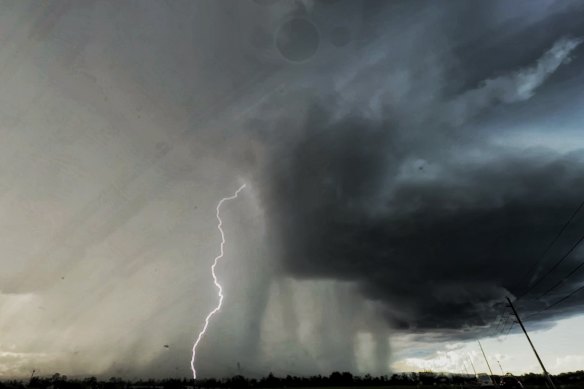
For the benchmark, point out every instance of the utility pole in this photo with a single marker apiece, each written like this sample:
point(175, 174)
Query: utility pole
point(545, 373)
point(472, 364)
point(489, 366)
point(464, 366)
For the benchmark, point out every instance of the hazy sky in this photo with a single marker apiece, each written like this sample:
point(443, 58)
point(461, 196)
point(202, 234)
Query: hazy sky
point(407, 166)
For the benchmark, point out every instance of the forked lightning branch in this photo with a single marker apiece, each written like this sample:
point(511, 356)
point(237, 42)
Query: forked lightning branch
point(215, 280)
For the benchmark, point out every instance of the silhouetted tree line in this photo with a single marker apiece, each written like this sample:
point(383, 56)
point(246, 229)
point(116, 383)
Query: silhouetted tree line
point(336, 379)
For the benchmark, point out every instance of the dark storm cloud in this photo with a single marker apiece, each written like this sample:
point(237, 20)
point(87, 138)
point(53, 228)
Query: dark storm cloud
point(423, 212)
point(122, 127)
point(443, 247)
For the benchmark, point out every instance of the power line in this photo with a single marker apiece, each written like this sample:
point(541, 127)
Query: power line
point(565, 298)
point(503, 321)
point(556, 303)
point(503, 325)
point(554, 267)
point(509, 330)
point(553, 241)
point(574, 270)
point(496, 329)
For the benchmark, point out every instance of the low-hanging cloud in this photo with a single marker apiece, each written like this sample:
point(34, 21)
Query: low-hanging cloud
point(437, 227)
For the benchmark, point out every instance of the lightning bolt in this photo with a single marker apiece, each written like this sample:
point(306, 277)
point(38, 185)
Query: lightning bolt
point(217, 284)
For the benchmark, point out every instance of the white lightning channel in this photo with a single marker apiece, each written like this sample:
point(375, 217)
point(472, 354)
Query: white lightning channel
point(217, 284)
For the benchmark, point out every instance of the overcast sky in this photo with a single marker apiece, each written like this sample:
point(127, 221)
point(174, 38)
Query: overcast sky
point(407, 166)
